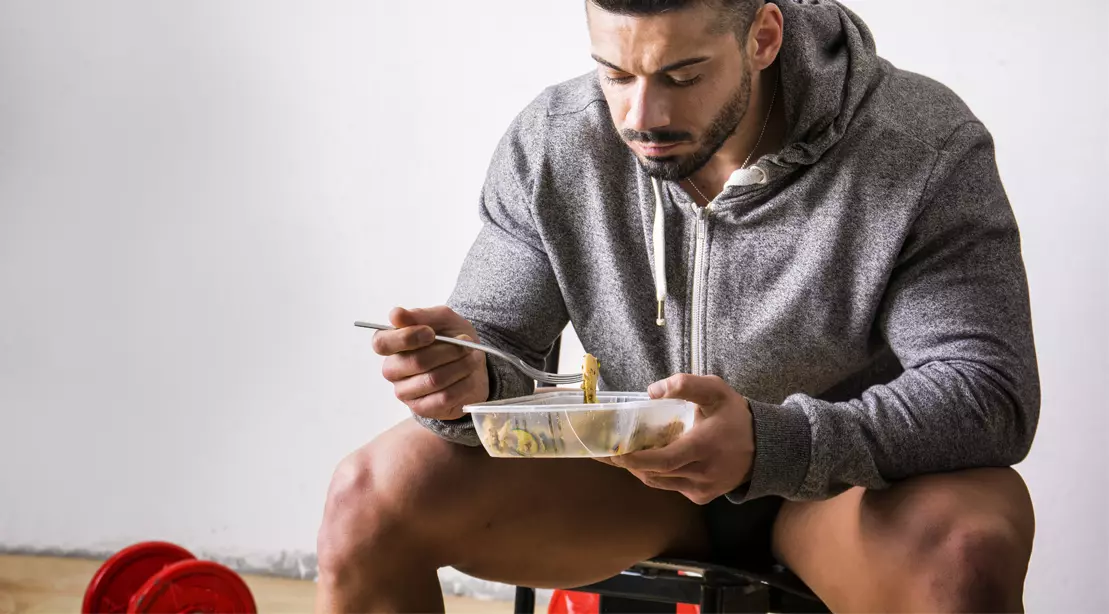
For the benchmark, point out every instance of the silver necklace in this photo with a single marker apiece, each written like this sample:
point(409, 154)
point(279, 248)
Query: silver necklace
point(765, 121)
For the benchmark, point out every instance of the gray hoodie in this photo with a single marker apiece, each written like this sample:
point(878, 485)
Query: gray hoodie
point(863, 287)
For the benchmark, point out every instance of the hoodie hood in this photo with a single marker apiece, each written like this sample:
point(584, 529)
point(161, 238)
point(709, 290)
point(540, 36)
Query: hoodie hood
point(829, 66)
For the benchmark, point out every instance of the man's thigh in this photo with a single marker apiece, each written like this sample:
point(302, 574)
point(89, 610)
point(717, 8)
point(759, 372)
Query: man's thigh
point(862, 543)
point(537, 522)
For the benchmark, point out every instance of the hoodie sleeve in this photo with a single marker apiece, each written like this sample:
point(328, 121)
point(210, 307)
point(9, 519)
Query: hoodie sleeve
point(956, 314)
point(506, 287)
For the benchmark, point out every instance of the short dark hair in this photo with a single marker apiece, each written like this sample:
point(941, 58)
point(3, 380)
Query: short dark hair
point(737, 14)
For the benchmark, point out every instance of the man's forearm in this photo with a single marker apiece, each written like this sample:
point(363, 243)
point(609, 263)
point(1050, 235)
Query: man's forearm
point(942, 416)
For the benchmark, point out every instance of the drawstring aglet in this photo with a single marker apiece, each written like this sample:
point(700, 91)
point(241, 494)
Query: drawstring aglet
point(661, 321)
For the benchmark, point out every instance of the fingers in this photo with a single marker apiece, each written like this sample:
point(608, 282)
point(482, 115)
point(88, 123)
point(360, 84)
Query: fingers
point(416, 328)
point(693, 488)
point(667, 459)
point(705, 391)
point(691, 480)
point(392, 342)
point(446, 404)
point(692, 470)
point(666, 482)
point(408, 363)
point(423, 383)
point(683, 478)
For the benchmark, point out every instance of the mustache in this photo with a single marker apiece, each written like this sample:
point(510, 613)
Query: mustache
point(662, 137)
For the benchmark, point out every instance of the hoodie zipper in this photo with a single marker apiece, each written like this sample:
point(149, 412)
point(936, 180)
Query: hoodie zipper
point(755, 175)
point(696, 340)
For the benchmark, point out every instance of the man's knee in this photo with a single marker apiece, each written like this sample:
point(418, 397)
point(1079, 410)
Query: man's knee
point(974, 568)
point(964, 559)
point(380, 499)
point(353, 514)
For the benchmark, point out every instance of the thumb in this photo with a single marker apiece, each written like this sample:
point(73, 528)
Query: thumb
point(705, 391)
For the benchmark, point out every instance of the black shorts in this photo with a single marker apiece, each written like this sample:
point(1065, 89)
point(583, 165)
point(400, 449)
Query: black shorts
point(741, 535)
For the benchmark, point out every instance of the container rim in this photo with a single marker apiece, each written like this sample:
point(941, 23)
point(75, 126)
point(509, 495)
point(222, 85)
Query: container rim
point(527, 404)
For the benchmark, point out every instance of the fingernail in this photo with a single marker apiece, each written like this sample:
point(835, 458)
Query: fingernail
point(656, 390)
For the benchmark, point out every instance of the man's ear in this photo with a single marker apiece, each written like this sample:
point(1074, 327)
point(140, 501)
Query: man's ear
point(764, 39)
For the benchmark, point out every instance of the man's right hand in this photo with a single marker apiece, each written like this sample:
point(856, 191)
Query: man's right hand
point(434, 379)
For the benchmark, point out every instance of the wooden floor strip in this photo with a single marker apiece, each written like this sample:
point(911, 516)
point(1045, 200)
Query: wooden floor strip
point(49, 585)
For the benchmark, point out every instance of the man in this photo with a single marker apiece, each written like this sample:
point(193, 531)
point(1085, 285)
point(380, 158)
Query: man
point(836, 280)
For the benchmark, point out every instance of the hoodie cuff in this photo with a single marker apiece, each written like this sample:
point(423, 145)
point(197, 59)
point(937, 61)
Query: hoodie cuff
point(459, 431)
point(506, 382)
point(783, 440)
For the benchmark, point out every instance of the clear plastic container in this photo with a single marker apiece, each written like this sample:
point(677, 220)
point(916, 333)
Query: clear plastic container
point(561, 425)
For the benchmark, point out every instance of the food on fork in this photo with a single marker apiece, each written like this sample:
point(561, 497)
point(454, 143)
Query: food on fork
point(590, 373)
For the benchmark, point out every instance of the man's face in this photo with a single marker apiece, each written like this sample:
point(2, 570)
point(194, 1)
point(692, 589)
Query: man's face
point(676, 90)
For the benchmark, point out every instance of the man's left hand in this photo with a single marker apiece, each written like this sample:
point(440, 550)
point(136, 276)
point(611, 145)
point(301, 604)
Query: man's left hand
point(711, 459)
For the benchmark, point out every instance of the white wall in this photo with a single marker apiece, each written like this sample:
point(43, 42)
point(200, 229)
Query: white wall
point(1037, 75)
point(198, 199)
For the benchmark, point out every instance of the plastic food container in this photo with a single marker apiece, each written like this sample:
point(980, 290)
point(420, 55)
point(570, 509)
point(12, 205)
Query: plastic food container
point(561, 425)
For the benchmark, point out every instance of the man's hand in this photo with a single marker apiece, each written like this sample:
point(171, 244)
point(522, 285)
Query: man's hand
point(714, 457)
point(435, 380)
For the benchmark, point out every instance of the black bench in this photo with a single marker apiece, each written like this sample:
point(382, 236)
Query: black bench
point(658, 584)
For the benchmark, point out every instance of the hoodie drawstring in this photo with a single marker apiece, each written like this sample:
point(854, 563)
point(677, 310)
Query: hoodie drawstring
point(660, 254)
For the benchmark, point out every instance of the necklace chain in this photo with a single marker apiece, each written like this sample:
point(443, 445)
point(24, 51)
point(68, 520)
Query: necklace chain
point(698, 190)
point(765, 122)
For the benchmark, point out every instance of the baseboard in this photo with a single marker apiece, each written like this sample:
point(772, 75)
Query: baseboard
point(294, 565)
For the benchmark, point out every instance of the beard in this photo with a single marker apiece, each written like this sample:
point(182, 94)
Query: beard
point(722, 127)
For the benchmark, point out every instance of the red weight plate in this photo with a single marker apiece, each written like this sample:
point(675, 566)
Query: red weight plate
point(125, 572)
point(194, 586)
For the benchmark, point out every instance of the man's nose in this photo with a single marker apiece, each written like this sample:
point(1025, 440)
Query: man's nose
point(649, 109)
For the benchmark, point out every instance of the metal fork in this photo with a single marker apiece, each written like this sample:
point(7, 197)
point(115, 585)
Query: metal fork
point(533, 373)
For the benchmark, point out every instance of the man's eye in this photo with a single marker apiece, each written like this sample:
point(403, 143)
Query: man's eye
point(685, 82)
point(619, 80)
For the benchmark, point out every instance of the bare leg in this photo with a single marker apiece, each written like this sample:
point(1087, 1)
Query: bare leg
point(409, 503)
point(955, 542)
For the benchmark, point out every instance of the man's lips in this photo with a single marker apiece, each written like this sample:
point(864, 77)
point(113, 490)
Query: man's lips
point(656, 149)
